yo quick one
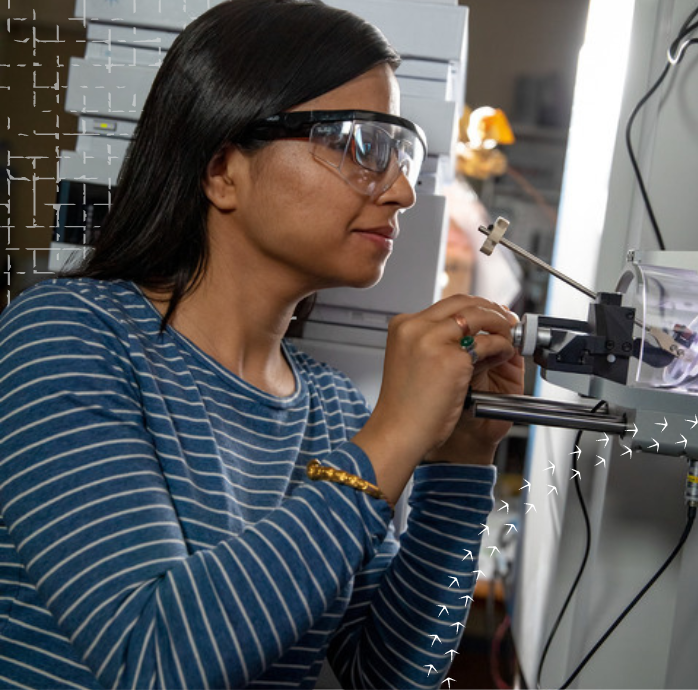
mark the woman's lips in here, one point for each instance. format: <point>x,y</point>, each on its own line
<point>382,236</point>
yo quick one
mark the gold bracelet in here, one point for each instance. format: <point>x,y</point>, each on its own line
<point>317,472</point>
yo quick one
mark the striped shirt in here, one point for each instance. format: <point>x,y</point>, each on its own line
<point>157,527</point>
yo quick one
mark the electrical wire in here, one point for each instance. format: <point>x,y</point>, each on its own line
<point>674,56</point>
<point>587,549</point>
<point>687,529</point>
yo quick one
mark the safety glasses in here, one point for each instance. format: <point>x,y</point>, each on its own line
<point>369,150</point>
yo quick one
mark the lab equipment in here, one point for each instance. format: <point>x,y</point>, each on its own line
<point>637,350</point>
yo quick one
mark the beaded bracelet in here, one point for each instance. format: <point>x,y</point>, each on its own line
<point>317,472</point>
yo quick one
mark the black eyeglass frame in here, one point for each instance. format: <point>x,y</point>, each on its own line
<point>298,123</point>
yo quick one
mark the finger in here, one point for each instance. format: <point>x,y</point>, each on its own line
<point>488,350</point>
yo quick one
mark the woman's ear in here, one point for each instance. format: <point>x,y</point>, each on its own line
<point>223,177</point>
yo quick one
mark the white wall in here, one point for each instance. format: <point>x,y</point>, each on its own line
<point>636,503</point>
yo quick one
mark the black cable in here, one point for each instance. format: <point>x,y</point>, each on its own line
<point>587,549</point>
<point>673,59</point>
<point>687,529</point>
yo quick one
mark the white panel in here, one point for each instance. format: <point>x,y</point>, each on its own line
<point>174,14</point>
<point>118,34</point>
<point>439,120</point>
<point>86,167</point>
<point>418,29</point>
<point>118,91</point>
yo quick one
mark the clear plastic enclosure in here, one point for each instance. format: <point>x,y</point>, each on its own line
<point>666,326</point>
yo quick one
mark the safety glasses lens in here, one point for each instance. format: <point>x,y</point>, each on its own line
<point>370,157</point>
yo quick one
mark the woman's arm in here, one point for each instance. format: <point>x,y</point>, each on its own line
<point>386,638</point>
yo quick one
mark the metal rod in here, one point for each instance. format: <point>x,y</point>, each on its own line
<point>542,418</point>
<point>525,410</point>
<point>479,397</point>
<point>541,264</point>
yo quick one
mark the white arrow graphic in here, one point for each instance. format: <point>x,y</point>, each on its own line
<point>693,421</point>
<point>468,554</point>
<point>627,451</point>
<point>552,488</point>
<point>443,608</point>
<point>511,527</point>
<point>575,473</point>
<point>506,505</point>
<point>434,638</point>
<point>527,485</point>
<point>634,430</point>
<point>454,581</point>
<point>431,668</point>
<point>530,505</point>
<point>448,680</point>
<point>451,652</point>
<point>467,598</point>
<point>655,444</point>
<point>575,452</point>
<point>493,549</point>
<point>552,467</point>
<point>604,439</point>
<point>487,529</point>
<point>603,460</point>
<point>457,624</point>
<point>664,425</point>
<point>683,440</point>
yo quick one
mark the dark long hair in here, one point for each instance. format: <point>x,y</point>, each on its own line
<point>240,61</point>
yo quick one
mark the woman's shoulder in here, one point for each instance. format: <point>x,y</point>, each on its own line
<point>67,315</point>
<point>77,300</point>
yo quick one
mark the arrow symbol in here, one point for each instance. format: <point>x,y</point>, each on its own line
<point>604,439</point>
<point>494,548</point>
<point>479,572</point>
<point>457,624</point>
<point>454,580</point>
<point>468,554</point>
<point>448,680</point>
<point>552,488</point>
<point>527,485</point>
<point>443,608</point>
<point>487,529</point>
<point>530,505</point>
<point>662,425</point>
<point>506,505</point>
<point>603,460</point>
<point>693,421</point>
<point>683,440</point>
<point>634,430</point>
<point>575,473</point>
<point>552,467</point>
<point>653,445</point>
<point>434,638</point>
<point>431,668</point>
<point>627,451</point>
<point>510,526</point>
<point>451,652</point>
<point>576,452</point>
<point>467,598</point>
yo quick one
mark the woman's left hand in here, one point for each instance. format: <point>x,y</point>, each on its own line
<point>474,441</point>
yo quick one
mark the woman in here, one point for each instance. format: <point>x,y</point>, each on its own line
<point>160,527</point>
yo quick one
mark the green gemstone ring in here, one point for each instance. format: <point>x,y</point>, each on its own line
<point>468,344</point>
<point>467,341</point>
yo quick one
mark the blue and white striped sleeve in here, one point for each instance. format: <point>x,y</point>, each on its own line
<point>406,596</point>
<point>91,515</point>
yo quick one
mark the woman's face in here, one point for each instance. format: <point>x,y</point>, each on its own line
<point>296,219</point>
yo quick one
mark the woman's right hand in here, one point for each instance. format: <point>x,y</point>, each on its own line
<point>425,381</point>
